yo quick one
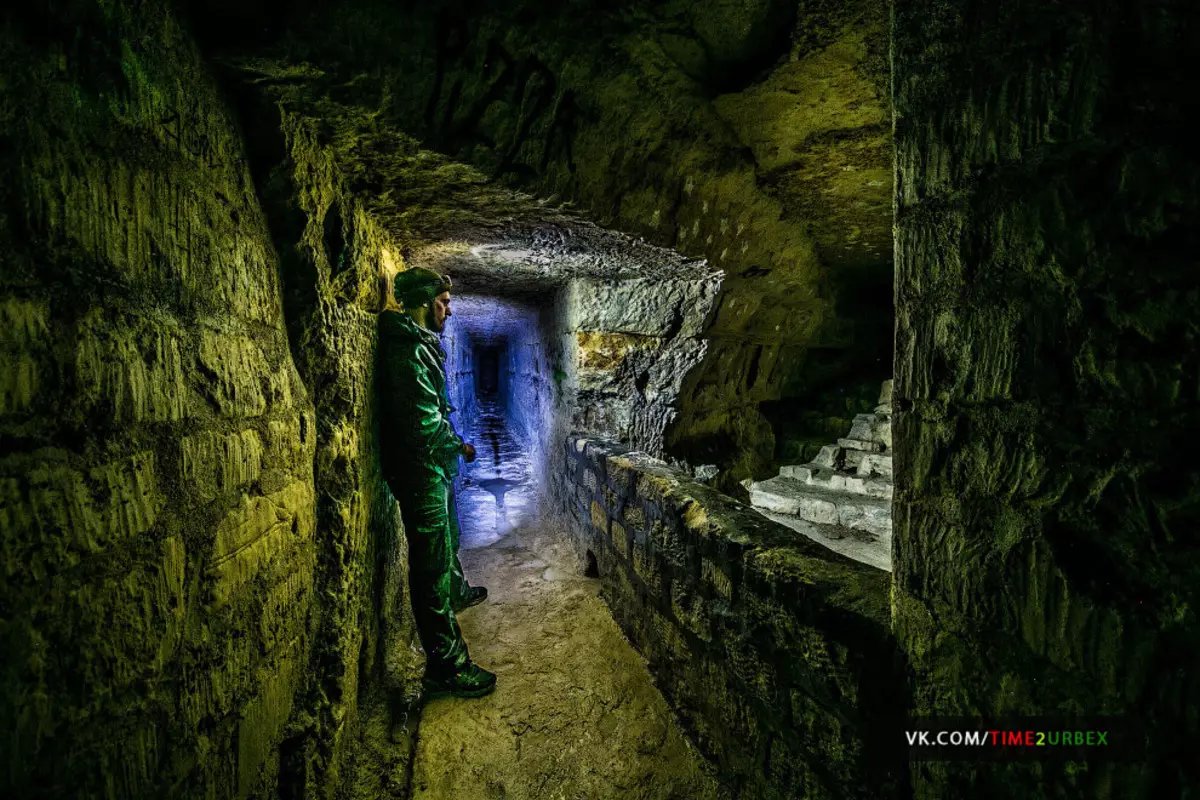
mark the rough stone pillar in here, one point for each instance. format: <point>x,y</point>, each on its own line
<point>1047,377</point>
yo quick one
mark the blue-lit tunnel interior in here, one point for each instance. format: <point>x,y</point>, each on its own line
<point>501,386</point>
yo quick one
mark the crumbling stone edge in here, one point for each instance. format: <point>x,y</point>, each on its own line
<point>775,653</point>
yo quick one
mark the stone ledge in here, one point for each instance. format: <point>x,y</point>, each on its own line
<point>742,618</point>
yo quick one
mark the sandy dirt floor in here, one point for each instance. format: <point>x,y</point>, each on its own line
<point>575,715</point>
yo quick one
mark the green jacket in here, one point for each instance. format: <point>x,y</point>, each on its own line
<point>414,409</point>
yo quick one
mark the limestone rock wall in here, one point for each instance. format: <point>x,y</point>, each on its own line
<point>629,347</point>
<point>460,363</point>
<point>775,652</point>
<point>528,380</point>
<point>1047,397</point>
<point>335,264</point>
<point>158,523</point>
<point>533,392</point>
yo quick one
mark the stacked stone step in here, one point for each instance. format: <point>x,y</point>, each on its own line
<point>847,485</point>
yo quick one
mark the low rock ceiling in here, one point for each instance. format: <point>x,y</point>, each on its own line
<point>448,216</point>
<point>492,321</point>
<point>525,261</point>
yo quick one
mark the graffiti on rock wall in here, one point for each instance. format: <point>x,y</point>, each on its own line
<point>183,126</point>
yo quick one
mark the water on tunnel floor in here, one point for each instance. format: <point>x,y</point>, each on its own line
<point>497,493</point>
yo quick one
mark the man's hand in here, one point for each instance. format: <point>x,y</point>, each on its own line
<point>469,453</point>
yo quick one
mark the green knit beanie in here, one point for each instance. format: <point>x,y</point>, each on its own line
<point>416,286</point>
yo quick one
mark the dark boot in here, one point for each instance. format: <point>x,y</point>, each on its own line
<point>471,596</point>
<point>470,681</point>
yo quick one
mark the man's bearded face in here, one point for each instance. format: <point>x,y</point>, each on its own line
<point>441,311</point>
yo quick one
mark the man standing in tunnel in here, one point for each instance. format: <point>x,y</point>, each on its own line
<point>419,454</point>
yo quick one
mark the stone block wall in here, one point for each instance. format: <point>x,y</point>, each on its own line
<point>1047,393</point>
<point>775,653</point>
<point>157,506</point>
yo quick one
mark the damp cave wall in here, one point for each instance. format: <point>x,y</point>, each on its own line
<point>504,375</point>
<point>199,562</point>
<point>1047,388</point>
<point>528,381</point>
<point>461,385</point>
<point>532,397</point>
<point>460,376</point>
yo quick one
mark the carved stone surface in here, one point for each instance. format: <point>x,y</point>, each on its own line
<point>1046,407</point>
<point>157,525</point>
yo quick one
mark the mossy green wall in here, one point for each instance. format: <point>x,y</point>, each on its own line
<point>1047,393</point>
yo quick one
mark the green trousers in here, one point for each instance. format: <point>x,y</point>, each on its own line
<point>458,580</point>
<point>435,577</point>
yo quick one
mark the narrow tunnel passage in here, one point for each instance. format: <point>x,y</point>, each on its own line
<point>203,566</point>
<point>497,493</point>
<point>575,713</point>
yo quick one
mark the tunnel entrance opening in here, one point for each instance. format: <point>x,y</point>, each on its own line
<point>554,331</point>
<point>490,345</point>
<point>487,375</point>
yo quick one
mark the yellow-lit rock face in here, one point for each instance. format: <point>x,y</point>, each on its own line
<point>157,525</point>
<point>607,351</point>
<point>66,512</point>
<point>263,535</point>
<point>215,463</point>
<point>819,93</point>
<point>599,519</point>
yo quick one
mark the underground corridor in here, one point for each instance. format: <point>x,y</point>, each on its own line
<point>568,675</point>
<point>831,369</point>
